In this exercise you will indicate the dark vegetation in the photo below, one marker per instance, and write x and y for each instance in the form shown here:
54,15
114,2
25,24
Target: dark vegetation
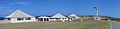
1,18
107,17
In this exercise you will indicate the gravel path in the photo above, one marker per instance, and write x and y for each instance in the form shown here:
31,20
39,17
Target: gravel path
115,25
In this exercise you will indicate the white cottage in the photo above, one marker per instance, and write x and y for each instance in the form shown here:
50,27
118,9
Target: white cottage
19,16
72,16
43,18
58,17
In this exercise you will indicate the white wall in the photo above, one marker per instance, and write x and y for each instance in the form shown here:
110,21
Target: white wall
57,19
14,20
52,19
32,20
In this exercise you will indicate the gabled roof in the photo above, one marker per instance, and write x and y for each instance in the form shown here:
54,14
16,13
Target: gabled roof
58,15
73,15
18,14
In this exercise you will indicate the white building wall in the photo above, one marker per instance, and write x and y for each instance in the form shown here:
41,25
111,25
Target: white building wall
32,20
52,19
66,19
58,19
14,20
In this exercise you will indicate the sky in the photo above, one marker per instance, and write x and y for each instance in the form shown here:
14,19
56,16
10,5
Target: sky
65,7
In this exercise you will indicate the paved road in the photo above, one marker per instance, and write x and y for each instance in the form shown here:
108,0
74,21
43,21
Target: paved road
115,25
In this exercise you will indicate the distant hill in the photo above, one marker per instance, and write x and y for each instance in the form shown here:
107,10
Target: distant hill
1,18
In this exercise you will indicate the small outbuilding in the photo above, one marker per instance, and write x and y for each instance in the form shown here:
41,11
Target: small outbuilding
19,16
43,18
58,17
72,16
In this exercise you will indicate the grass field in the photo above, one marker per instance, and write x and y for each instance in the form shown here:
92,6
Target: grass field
58,25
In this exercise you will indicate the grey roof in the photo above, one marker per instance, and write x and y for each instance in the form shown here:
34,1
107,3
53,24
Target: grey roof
58,15
73,15
18,14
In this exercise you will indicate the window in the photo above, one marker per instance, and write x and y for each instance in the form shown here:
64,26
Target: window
57,18
20,19
63,18
27,18
40,19
9,18
51,18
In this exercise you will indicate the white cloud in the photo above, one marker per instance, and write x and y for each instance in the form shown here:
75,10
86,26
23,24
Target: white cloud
22,3
17,3
5,7
13,4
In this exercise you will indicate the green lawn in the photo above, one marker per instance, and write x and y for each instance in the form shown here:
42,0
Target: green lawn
58,25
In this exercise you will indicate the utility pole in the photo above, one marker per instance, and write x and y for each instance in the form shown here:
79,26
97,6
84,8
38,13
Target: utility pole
97,14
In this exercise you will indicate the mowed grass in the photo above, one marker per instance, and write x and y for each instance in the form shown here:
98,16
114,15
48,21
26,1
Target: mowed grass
58,25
